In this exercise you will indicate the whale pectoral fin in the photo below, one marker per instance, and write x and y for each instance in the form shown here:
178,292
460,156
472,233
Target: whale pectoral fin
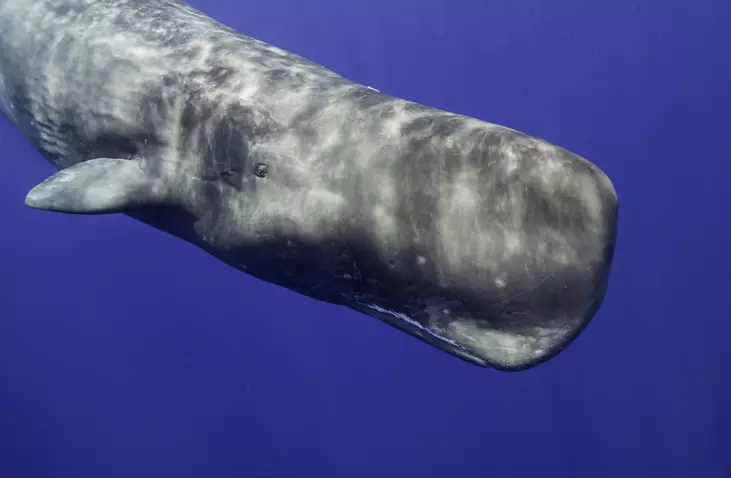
97,186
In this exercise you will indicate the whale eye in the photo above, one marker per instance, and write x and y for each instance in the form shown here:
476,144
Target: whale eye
261,170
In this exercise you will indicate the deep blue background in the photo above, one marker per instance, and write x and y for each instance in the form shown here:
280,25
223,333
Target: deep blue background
127,353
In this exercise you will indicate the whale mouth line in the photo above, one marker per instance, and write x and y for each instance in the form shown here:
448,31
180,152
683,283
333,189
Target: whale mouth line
410,321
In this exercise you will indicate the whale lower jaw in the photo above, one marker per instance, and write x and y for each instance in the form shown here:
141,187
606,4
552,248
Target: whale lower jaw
481,345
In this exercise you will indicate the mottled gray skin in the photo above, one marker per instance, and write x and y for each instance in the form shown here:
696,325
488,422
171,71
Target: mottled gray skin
480,240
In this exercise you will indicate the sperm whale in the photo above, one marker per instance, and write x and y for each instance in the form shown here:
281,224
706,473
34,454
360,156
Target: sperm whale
485,242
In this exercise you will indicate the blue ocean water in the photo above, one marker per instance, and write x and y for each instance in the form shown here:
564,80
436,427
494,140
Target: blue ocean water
125,352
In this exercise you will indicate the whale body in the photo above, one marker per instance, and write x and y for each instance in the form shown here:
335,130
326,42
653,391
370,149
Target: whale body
485,242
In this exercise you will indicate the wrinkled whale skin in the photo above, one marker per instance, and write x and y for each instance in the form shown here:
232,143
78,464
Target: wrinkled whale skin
485,242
